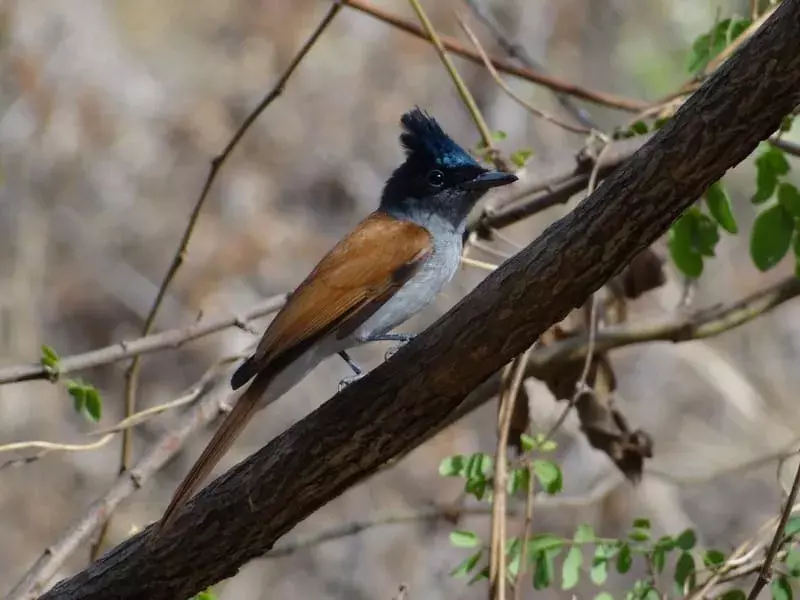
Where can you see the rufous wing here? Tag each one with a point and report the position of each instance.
(348, 285)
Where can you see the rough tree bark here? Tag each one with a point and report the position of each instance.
(241, 515)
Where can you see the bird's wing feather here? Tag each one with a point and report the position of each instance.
(348, 285)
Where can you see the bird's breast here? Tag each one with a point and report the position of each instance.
(420, 290)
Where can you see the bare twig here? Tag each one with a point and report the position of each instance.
(511, 93)
(170, 339)
(518, 52)
(512, 381)
(765, 573)
(461, 87)
(211, 396)
(453, 45)
(132, 373)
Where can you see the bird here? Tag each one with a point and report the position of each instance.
(386, 269)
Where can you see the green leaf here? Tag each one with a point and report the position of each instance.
(549, 475)
(49, 359)
(789, 198)
(451, 466)
(793, 562)
(777, 160)
(666, 542)
(681, 246)
(659, 559)
(467, 565)
(686, 540)
(781, 589)
(499, 135)
(206, 594)
(771, 236)
(734, 594)
(719, 205)
(77, 390)
(93, 403)
(604, 596)
(584, 534)
(639, 128)
(684, 569)
(521, 156)
(624, 559)
(599, 572)
(464, 539)
(476, 487)
(713, 558)
(543, 574)
(479, 466)
(514, 557)
(792, 526)
(544, 542)
(602, 554)
(641, 523)
(571, 568)
(519, 480)
(482, 574)
(706, 234)
(639, 535)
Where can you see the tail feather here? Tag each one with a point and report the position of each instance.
(222, 440)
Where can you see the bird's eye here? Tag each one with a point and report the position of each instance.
(436, 178)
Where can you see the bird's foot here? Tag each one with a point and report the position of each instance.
(349, 380)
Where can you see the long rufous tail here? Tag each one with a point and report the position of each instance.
(223, 439)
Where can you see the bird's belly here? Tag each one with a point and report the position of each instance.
(416, 294)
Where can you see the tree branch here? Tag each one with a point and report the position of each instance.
(241, 514)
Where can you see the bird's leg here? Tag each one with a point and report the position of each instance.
(359, 373)
(401, 338)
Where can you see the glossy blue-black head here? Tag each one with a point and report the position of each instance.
(438, 175)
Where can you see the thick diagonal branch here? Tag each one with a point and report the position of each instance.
(241, 515)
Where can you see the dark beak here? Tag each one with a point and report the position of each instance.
(490, 179)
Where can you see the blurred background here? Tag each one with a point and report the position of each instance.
(110, 112)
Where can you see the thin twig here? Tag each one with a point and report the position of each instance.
(132, 373)
(765, 573)
(211, 396)
(454, 46)
(517, 51)
(511, 93)
(458, 82)
(165, 340)
(508, 396)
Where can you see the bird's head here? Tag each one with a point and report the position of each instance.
(438, 176)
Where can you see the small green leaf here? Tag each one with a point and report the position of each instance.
(514, 557)
(527, 442)
(781, 589)
(684, 569)
(793, 562)
(467, 565)
(206, 594)
(706, 234)
(771, 236)
(76, 389)
(786, 124)
(641, 523)
(479, 465)
(734, 594)
(476, 487)
(599, 572)
(544, 542)
(713, 558)
(519, 480)
(571, 568)
(499, 135)
(719, 205)
(49, 358)
(789, 198)
(639, 535)
(451, 466)
(639, 128)
(659, 559)
(521, 156)
(584, 534)
(602, 554)
(777, 160)
(464, 539)
(482, 574)
(686, 540)
(666, 542)
(93, 403)
(604, 596)
(543, 574)
(681, 245)
(549, 475)
(792, 526)
(624, 559)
